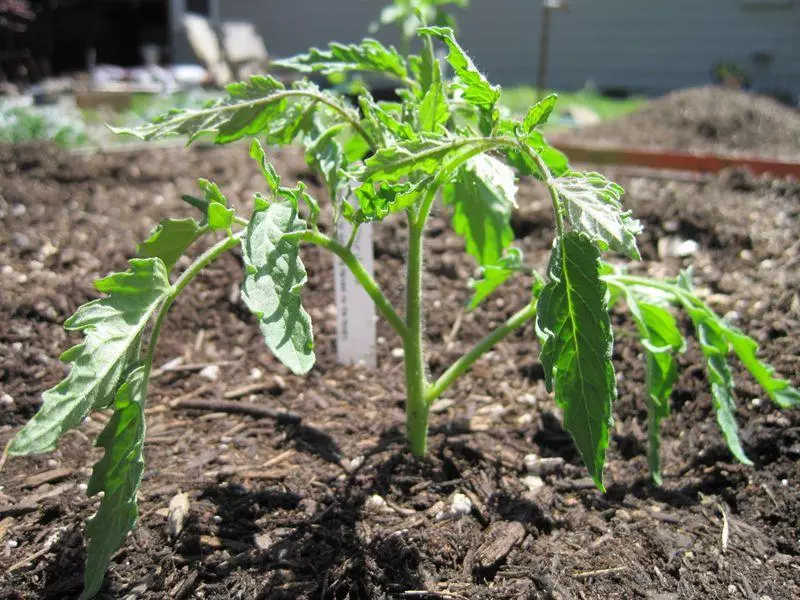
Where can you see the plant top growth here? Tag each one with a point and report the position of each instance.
(442, 141)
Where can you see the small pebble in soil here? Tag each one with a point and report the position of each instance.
(397, 352)
(534, 483)
(460, 505)
(785, 482)
(375, 504)
(52, 463)
(756, 402)
(216, 519)
(255, 374)
(211, 372)
(12, 543)
(6, 400)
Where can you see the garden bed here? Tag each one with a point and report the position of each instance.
(282, 508)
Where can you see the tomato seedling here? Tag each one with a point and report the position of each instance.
(447, 140)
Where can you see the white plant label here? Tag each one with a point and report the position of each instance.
(355, 312)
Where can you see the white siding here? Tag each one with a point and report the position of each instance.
(643, 45)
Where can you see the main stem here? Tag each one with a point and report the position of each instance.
(416, 406)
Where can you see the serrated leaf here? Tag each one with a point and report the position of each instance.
(426, 155)
(433, 110)
(117, 474)
(113, 328)
(169, 240)
(376, 203)
(483, 196)
(493, 276)
(274, 276)
(368, 55)
(271, 176)
(539, 113)
(325, 155)
(555, 160)
(385, 126)
(247, 110)
(573, 323)
(778, 389)
(662, 338)
(715, 350)
(592, 204)
(476, 88)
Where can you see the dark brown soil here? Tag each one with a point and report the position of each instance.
(707, 120)
(286, 510)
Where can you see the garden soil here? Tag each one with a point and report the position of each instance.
(308, 491)
(705, 120)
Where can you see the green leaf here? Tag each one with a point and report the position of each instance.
(113, 328)
(539, 113)
(169, 240)
(274, 276)
(483, 196)
(211, 192)
(368, 55)
(573, 322)
(779, 390)
(271, 176)
(433, 110)
(715, 348)
(376, 203)
(426, 155)
(661, 337)
(117, 474)
(247, 110)
(556, 161)
(220, 217)
(493, 276)
(477, 90)
(593, 207)
(383, 123)
(326, 156)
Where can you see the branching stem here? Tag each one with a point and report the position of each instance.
(362, 276)
(458, 368)
(186, 277)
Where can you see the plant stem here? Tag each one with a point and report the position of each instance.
(363, 277)
(458, 368)
(416, 407)
(551, 187)
(190, 273)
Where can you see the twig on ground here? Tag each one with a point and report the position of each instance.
(599, 572)
(229, 406)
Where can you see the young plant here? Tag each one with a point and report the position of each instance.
(440, 139)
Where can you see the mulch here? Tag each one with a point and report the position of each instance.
(308, 491)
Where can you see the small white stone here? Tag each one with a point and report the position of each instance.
(528, 399)
(525, 419)
(785, 482)
(533, 482)
(756, 402)
(52, 463)
(375, 503)
(398, 352)
(211, 372)
(226, 439)
(6, 400)
(255, 374)
(216, 519)
(12, 543)
(381, 339)
(224, 447)
(460, 505)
